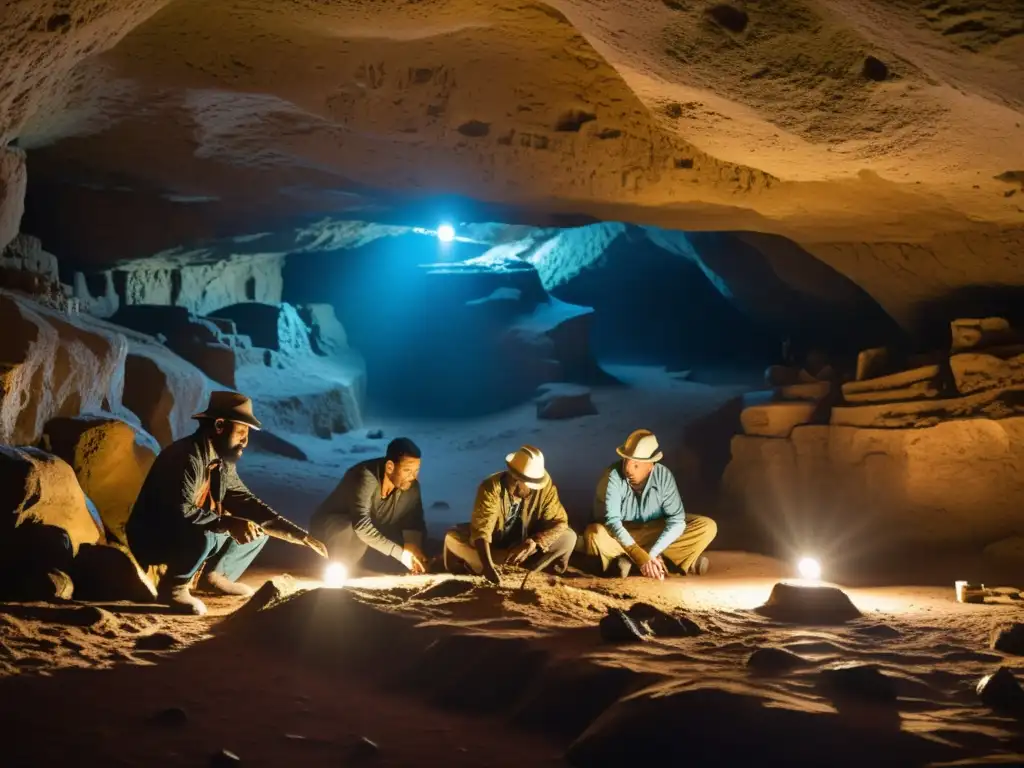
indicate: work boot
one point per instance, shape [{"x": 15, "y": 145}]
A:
[
  {"x": 621, "y": 566},
  {"x": 180, "y": 598},
  {"x": 700, "y": 566},
  {"x": 218, "y": 582}
]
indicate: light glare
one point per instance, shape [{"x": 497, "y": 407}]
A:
[
  {"x": 809, "y": 568},
  {"x": 335, "y": 575},
  {"x": 446, "y": 233}
]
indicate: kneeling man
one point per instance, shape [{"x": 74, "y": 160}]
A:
[
  {"x": 374, "y": 518},
  {"x": 194, "y": 510},
  {"x": 517, "y": 519},
  {"x": 642, "y": 517}
]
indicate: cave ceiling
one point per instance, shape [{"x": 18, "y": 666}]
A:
[{"x": 157, "y": 127}]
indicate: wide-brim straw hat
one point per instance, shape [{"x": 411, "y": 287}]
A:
[
  {"x": 641, "y": 445},
  {"x": 230, "y": 406},
  {"x": 527, "y": 465}
]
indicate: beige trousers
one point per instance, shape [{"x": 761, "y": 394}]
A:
[
  {"x": 683, "y": 552},
  {"x": 457, "y": 544}
]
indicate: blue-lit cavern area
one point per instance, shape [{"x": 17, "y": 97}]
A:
[{"x": 522, "y": 384}]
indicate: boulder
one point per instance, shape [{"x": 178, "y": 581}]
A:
[
  {"x": 619, "y": 627},
  {"x": 13, "y": 180},
  {"x": 193, "y": 338},
  {"x": 872, "y": 363},
  {"x": 26, "y": 267},
  {"x": 992, "y": 404},
  {"x": 977, "y": 372},
  {"x": 326, "y": 334},
  {"x": 53, "y": 364},
  {"x": 564, "y": 401},
  {"x": 270, "y": 326},
  {"x": 163, "y": 391},
  {"x": 110, "y": 572},
  {"x": 1001, "y": 691},
  {"x": 778, "y": 419},
  {"x": 774, "y": 661},
  {"x": 1008, "y": 638},
  {"x": 857, "y": 681},
  {"x": 914, "y": 384},
  {"x": 980, "y": 333},
  {"x": 809, "y": 604},
  {"x": 110, "y": 458},
  {"x": 37, "y": 487},
  {"x": 840, "y": 482}
]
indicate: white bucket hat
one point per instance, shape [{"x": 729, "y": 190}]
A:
[
  {"x": 641, "y": 445},
  {"x": 527, "y": 464}
]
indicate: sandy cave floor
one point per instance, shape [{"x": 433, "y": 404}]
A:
[{"x": 98, "y": 680}]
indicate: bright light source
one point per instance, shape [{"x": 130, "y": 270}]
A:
[
  {"x": 446, "y": 233},
  {"x": 335, "y": 575},
  {"x": 809, "y": 568}
]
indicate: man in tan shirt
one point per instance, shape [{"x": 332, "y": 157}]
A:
[{"x": 517, "y": 520}]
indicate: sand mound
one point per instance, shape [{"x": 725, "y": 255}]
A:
[{"x": 803, "y": 604}]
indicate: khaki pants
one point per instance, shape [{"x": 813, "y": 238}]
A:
[
  {"x": 683, "y": 552},
  {"x": 458, "y": 545}
]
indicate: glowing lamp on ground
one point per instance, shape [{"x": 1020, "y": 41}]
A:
[
  {"x": 335, "y": 575},
  {"x": 446, "y": 233},
  {"x": 809, "y": 568}
]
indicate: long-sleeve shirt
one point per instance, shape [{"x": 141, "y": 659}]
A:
[
  {"x": 187, "y": 487},
  {"x": 616, "y": 503},
  {"x": 384, "y": 524},
  {"x": 542, "y": 516}
]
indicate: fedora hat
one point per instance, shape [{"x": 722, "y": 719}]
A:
[
  {"x": 230, "y": 406},
  {"x": 527, "y": 464},
  {"x": 641, "y": 445}
]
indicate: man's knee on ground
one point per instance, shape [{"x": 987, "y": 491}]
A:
[
  {"x": 566, "y": 541},
  {"x": 592, "y": 532}
]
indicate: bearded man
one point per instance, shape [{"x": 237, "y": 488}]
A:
[{"x": 194, "y": 512}]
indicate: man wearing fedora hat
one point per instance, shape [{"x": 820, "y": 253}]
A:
[
  {"x": 641, "y": 516},
  {"x": 517, "y": 519},
  {"x": 194, "y": 510}
]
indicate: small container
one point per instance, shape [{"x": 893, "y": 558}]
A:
[{"x": 966, "y": 592}]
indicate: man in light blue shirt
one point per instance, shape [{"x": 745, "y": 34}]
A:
[{"x": 641, "y": 517}]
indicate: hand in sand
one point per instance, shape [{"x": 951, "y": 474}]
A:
[
  {"x": 491, "y": 574},
  {"x": 518, "y": 555},
  {"x": 654, "y": 569},
  {"x": 241, "y": 530},
  {"x": 316, "y": 545},
  {"x": 412, "y": 562}
]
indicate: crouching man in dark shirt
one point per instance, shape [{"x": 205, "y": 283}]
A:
[
  {"x": 194, "y": 510},
  {"x": 374, "y": 518}
]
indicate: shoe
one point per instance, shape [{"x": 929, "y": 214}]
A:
[
  {"x": 621, "y": 566},
  {"x": 181, "y": 600},
  {"x": 218, "y": 582},
  {"x": 700, "y": 567}
]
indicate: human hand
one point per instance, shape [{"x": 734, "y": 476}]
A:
[
  {"x": 241, "y": 530},
  {"x": 316, "y": 545},
  {"x": 412, "y": 562},
  {"x": 518, "y": 555},
  {"x": 491, "y": 574},
  {"x": 654, "y": 569}
]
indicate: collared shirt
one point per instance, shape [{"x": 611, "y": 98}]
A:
[
  {"x": 188, "y": 485},
  {"x": 617, "y": 503},
  {"x": 384, "y": 524}
]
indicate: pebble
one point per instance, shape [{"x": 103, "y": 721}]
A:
[
  {"x": 224, "y": 758},
  {"x": 171, "y": 716}
]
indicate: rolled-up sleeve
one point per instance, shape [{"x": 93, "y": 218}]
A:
[{"x": 552, "y": 519}]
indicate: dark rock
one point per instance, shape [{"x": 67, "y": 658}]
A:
[
  {"x": 18, "y": 585},
  {"x": 268, "y": 442},
  {"x": 444, "y": 589},
  {"x": 276, "y": 327},
  {"x": 366, "y": 747},
  {"x": 110, "y": 572},
  {"x": 732, "y": 18},
  {"x": 661, "y": 624},
  {"x": 875, "y": 69},
  {"x": 375, "y": 434},
  {"x": 619, "y": 627},
  {"x": 224, "y": 758},
  {"x": 172, "y": 716},
  {"x": 883, "y": 631},
  {"x": 1001, "y": 691},
  {"x": 859, "y": 681},
  {"x": 564, "y": 401},
  {"x": 1008, "y": 638},
  {"x": 803, "y": 604},
  {"x": 774, "y": 661},
  {"x": 156, "y": 641},
  {"x": 440, "y": 505}
]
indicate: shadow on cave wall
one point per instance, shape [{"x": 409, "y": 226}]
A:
[{"x": 932, "y": 318}]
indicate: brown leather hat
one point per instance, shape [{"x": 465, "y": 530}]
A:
[{"x": 230, "y": 406}]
